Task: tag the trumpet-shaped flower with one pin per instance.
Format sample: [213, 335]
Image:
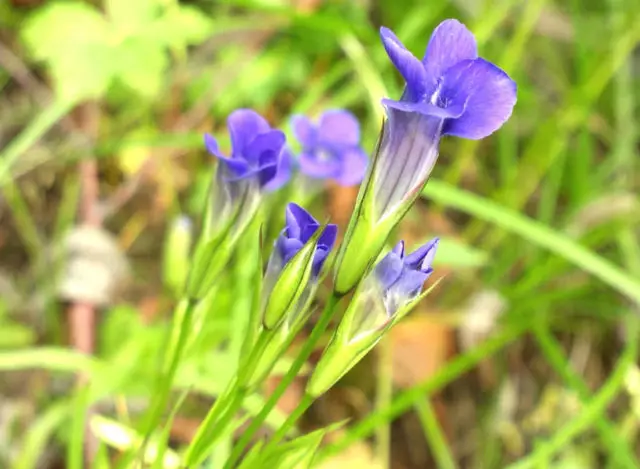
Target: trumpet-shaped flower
[384, 297]
[451, 91]
[331, 148]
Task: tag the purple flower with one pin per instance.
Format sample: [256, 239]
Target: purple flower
[331, 149]
[451, 91]
[258, 152]
[300, 227]
[400, 278]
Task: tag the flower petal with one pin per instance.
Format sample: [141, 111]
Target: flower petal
[338, 127]
[398, 249]
[283, 171]
[388, 270]
[328, 236]
[236, 168]
[451, 42]
[270, 142]
[488, 95]
[244, 125]
[422, 258]
[405, 157]
[288, 247]
[297, 219]
[354, 167]
[315, 167]
[318, 260]
[211, 144]
[450, 112]
[408, 286]
[407, 64]
[304, 130]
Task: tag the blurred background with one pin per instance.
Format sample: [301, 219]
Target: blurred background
[526, 352]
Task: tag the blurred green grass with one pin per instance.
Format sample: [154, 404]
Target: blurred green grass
[526, 198]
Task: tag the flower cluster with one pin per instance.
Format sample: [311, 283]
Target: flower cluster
[449, 92]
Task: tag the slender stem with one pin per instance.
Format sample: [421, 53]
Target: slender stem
[177, 342]
[225, 407]
[433, 434]
[299, 362]
[384, 395]
[293, 417]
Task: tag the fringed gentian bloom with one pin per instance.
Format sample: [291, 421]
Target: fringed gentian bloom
[331, 148]
[451, 91]
[386, 295]
[299, 228]
[259, 161]
[400, 278]
[288, 282]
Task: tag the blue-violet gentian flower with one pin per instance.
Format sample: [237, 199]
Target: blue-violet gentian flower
[331, 148]
[259, 160]
[400, 278]
[294, 266]
[384, 297]
[299, 228]
[451, 91]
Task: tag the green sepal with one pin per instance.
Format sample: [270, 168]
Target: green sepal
[254, 324]
[363, 325]
[278, 342]
[298, 453]
[291, 283]
[216, 244]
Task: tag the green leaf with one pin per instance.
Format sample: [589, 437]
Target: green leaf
[130, 17]
[84, 74]
[141, 64]
[181, 27]
[455, 253]
[45, 38]
[78, 54]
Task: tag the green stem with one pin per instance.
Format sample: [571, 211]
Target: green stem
[224, 408]
[293, 417]
[433, 434]
[299, 362]
[178, 340]
[384, 396]
[594, 408]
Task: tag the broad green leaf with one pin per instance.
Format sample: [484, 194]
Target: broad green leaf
[86, 73]
[181, 27]
[74, 39]
[58, 29]
[129, 17]
[141, 64]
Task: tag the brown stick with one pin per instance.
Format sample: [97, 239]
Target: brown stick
[82, 315]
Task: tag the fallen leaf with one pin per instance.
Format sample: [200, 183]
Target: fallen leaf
[420, 346]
